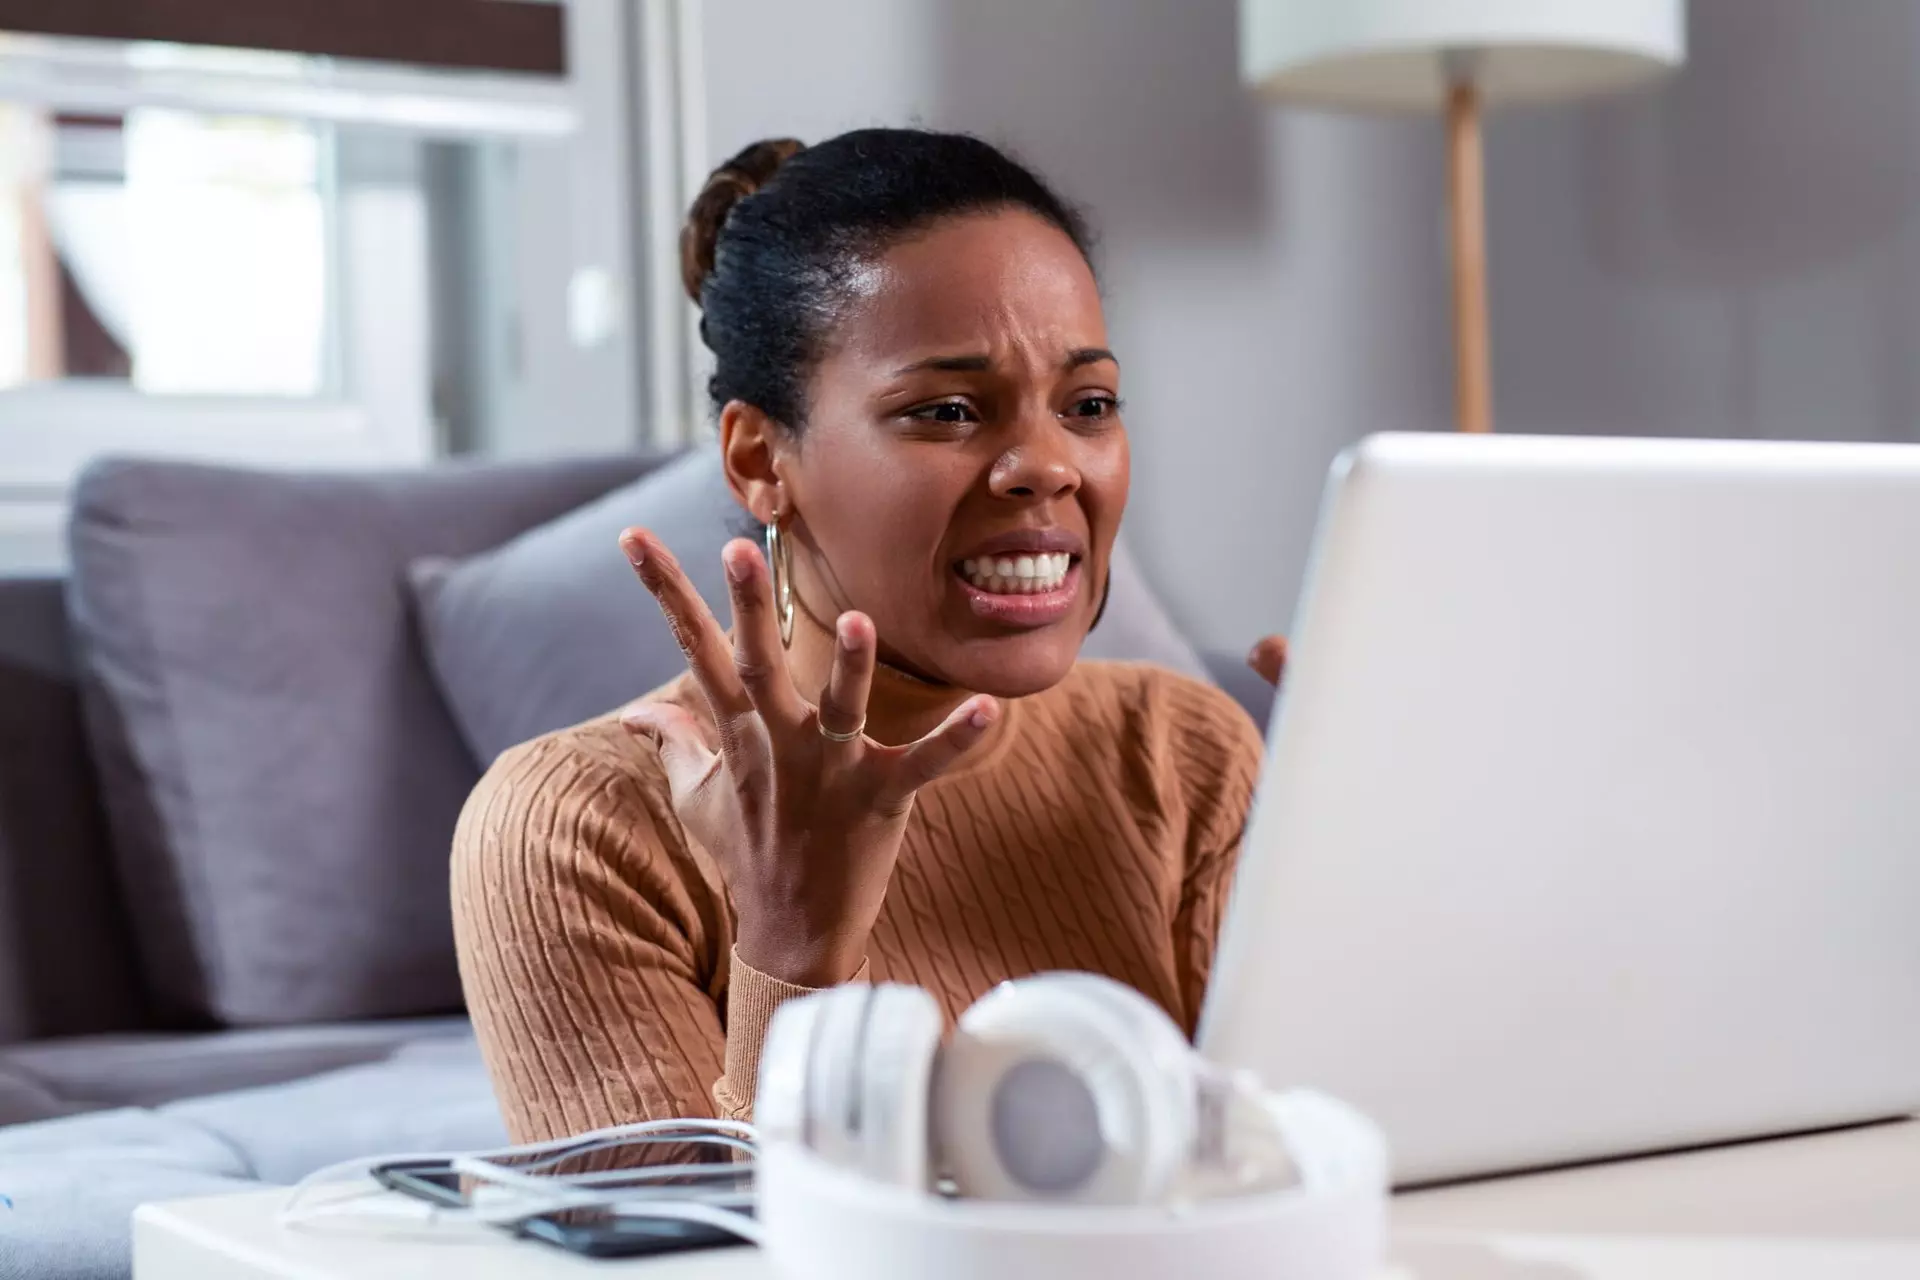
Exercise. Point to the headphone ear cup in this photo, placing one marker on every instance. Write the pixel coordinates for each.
(781, 1096)
(846, 1073)
(899, 1049)
(1066, 1087)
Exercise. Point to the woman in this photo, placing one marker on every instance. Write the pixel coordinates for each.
(892, 769)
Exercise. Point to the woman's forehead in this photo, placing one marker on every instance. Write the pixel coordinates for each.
(974, 284)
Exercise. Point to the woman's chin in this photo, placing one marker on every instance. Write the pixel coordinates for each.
(1014, 666)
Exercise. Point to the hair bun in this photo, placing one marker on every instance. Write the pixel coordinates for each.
(726, 187)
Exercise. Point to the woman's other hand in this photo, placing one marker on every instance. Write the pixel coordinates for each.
(805, 828)
(1269, 658)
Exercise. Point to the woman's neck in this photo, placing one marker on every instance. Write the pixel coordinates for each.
(901, 708)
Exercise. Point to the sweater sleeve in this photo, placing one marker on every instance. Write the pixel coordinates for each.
(752, 999)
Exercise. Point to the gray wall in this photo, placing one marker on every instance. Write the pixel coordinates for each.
(1737, 254)
(1732, 254)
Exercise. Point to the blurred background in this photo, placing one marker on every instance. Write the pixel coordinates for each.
(364, 233)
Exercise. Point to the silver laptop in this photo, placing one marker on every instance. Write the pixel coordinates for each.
(1590, 821)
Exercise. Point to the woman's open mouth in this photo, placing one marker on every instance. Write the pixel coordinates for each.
(1031, 589)
(1018, 575)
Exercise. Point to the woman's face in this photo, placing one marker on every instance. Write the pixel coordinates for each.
(963, 467)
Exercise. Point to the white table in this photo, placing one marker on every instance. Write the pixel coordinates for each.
(1837, 1206)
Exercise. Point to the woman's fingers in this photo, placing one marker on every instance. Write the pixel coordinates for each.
(689, 762)
(1269, 658)
(942, 749)
(709, 655)
(758, 656)
(843, 703)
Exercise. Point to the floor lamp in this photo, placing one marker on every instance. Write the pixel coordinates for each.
(1456, 56)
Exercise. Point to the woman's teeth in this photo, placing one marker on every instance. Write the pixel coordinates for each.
(1018, 575)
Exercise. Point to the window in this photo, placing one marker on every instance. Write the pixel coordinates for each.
(239, 287)
(378, 235)
(173, 253)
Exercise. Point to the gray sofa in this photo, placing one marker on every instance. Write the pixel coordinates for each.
(119, 1083)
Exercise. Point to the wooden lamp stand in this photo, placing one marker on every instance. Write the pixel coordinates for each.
(1467, 237)
(1460, 57)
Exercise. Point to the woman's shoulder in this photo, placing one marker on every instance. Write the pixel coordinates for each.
(594, 775)
(575, 830)
(599, 745)
(1147, 687)
(1171, 744)
(1196, 726)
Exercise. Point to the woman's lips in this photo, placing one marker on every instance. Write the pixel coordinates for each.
(1026, 609)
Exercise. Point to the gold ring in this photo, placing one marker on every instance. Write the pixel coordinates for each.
(848, 736)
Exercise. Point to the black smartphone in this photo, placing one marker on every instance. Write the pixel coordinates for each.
(429, 1180)
(592, 1233)
(624, 1236)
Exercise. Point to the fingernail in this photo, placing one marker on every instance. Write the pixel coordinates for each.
(844, 630)
(737, 566)
(981, 717)
(636, 554)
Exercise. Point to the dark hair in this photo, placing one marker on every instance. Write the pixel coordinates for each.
(773, 240)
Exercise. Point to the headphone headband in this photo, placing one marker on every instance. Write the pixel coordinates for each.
(1066, 1088)
(823, 1220)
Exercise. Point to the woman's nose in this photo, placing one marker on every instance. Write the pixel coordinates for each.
(1039, 465)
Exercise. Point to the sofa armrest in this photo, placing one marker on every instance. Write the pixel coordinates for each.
(66, 963)
(1231, 672)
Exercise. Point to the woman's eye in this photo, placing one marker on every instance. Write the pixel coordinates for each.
(951, 412)
(1094, 407)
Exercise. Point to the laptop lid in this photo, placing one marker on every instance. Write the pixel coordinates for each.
(1590, 822)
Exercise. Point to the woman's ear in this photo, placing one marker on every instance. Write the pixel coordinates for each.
(750, 446)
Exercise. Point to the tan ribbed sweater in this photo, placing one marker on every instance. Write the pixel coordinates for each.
(1096, 830)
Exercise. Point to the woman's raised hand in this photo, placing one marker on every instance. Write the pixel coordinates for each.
(1269, 658)
(805, 826)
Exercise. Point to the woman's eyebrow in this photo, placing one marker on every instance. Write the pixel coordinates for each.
(1090, 355)
(1076, 359)
(948, 364)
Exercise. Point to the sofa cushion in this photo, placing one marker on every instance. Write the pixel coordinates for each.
(68, 971)
(25, 1097)
(280, 775)
(430, 1095)
(75, 1182)
(1136, 627)
(148, 1069)
(552, 628)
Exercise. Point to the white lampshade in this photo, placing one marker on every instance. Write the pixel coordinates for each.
(1400, 54)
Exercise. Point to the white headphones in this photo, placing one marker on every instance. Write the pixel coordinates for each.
(1064, 1087)
(1068, 1092)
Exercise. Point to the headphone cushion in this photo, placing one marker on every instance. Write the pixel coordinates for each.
(896, 1064)
(1068, 1087)
(845, 1072)
(780, 1103)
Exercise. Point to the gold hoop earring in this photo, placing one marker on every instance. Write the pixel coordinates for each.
(780, 565)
